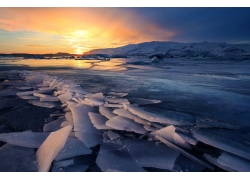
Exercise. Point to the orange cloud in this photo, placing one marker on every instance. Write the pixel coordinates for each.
(85, 27)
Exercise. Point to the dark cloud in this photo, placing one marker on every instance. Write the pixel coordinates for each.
(201, 24)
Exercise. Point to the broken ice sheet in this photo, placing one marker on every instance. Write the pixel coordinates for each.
(107, 112)
(184, 153)
(53, 126)
(112, 135)
(113, 105)
(78, 90)
(25, 93)
(28, 97)
(81, 118)
(99, 121)
(127, 114)
(117, 160)
(51, 147)
(117, 100)
(17, 159)
(65, 97)
(26, 139)
(188, 138)
(24, 87)
(187, 165)
(169, 134)
(94, 101)
(125, 124)
(118, 94)
(148, 154)
(227, 140)
(173, 118)
(88, 138)
(42, 104)
(69, 118)
(205, 122)
(64, 162)
(35, 79)
(73, 147)
(49, 99)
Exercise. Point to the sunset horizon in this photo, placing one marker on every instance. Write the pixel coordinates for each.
(78, 30)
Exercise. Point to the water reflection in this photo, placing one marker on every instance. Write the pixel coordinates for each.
(113, 64)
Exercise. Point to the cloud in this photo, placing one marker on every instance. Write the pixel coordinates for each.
(37, 45)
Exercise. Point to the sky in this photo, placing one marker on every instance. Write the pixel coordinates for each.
(78, 30)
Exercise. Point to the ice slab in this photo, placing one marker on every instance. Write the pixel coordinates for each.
(227, 140)
(127, 114)
(142, 101)
(107, 112)
(169, 134)
(153, 117)
(78, 168)
(49, 99)
(112, 135)
(125, 124)
(94, 101)
(117, 160)
(51, 147)
(97, 95)
(148, 154)
(26, 139)
(150, 128)
(65, 123)
(73, 147)
(65, 97)
(87, 103)
(25, 93)
(46, 89)
(42, 104)
(63, 163)
(188, 138)
(76, 100)
(113, 105)
(41, 95)
(78, 90)
(118, 94)
(24, 87)
(53, 126)
(17, 159)
(184, 164)
(99, 121)
(88, 138)
(81, 118)
(69, 118)
(205, 122)
(117, 100)
(184, 153)
(28, 97)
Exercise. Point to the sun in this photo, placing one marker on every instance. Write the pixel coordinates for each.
(78, 50)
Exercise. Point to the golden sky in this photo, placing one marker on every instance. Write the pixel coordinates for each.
(73, 30)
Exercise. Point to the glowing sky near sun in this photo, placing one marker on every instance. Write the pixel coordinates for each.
(77, 30)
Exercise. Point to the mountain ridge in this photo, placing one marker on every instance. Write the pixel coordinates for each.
(176, 49)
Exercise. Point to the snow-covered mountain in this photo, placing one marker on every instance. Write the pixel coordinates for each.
(175, 49)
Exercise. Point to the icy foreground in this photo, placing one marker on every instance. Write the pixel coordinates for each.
(107, 132)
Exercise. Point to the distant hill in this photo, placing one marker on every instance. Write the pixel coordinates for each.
(175, 49)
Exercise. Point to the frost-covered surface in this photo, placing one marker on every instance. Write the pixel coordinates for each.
(138, 121)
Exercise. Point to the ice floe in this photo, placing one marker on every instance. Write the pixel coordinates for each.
(26, 139)
(51, 147)
(125, 124)
(99, 121)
